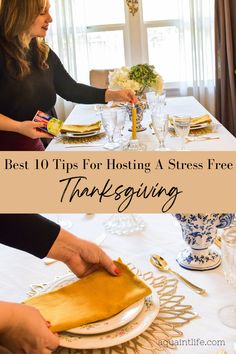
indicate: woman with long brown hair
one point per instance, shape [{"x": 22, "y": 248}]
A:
[{"x": 31, "y": 75}]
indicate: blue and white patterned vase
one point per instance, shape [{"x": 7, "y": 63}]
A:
[
  {"x": 140, "y": 108},
  {"x": 199, "y": 232}
]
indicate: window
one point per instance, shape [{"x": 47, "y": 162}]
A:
[
  {"x": 113, "y": 35},
  {"x": 176, "y": 36},
  {"x": 157, "y": 10},
  {"x": 161, "y": 24},
  {"x": 105, "y": 33}
]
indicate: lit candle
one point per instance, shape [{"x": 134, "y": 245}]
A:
[{"x": 134, "y": 120}]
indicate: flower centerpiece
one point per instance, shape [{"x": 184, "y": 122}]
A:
[{"x": 138, "y": 78}]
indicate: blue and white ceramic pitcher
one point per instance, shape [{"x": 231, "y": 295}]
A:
[{"x": 199, "y": 232}]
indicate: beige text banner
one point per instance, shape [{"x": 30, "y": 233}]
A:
[{"x": 100, "y": 182}]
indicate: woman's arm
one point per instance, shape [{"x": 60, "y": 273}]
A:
[
  {"x": 120, "y": 96},
  {"x": 27, "y": 128},
  {"x": 8, "y": 124},
  {"x": 70, "y": 90},
  {"x": 31, "y": 233},
  {"x": 41, "y": 237}
]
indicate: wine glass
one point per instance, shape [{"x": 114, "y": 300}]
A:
[
  {"x": 182, "y": 127},
  {"x": 161, "y": 101},
  {"x": 160, "y": 127},
  {"x": 121, "y": 118},
  {"x": 151, "y": 99},
  {"x": 63, "y": 222},
  {"x": 227, "y": 314},
  {"x": 60, "y": 219},
  {"x": 109, "y": 122}
]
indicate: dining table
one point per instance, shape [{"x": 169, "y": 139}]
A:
[
  {"x": 160, "y": 234},
  {"x": 218, "y": 138}
]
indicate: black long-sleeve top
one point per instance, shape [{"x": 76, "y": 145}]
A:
[
  {"x": 21, "y": 99},
  {"x": 31, "y": 233}
]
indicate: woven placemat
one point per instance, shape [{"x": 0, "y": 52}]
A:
[
  {"x": 173, "y": 315},
  {"x": 88, "y": 139}
]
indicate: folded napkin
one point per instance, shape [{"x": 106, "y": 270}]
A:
[
  {"x": 76, "y": 128},
  {"x": 200, "y": 120},
  {"x": 98, "y": 296},
  {"x": 197, "y": 120}
]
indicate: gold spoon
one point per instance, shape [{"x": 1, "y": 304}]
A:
[{"x": 163, "y": 266}]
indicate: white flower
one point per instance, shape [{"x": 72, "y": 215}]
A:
[
  {"x": 157, "y": 86},
  {"x": 119, "y": 79}
]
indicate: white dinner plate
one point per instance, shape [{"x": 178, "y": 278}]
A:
[
  {"x": 194, "y": 127},
  {"x": 118, "y": 336},
  {"x": 147, "y": 314},
  {"x": 199, "y": 126},
  {"x": 111, "y": 323},
  {"x": 58, "y": 283},
  {"x": 82, "y": 135}
]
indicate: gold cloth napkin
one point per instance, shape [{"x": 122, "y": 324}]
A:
[
  {"x": 200, "y": 120},
  {"x": 197, "y": 120},
  {"x": 98, "y": 296},
  {"x": 81, "y": 128}
]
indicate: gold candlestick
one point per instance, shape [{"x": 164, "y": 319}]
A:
[{"x": 134, "y": 144}]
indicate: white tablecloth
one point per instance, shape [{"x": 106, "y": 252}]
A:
[
  {"x": 162, "y": 235},
  {"x": 188, "y": 105}
]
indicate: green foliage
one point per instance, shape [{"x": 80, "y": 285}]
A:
[{"x": 144, "y": 74}]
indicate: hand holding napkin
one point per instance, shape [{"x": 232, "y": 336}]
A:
[{"x": 95, "y": 297}]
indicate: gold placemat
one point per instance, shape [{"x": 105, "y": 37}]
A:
[
  {"x": 159, "y": 336},
  {"x": 88, "y": 139}
]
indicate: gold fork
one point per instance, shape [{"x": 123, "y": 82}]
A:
[{"x": 201, "y": 138}]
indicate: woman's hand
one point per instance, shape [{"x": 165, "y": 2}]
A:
[
  {"x": 31, "y": 129},
  {"x": 82, "y": 257},
  {"x": 24, "y": 331},
  {"x": 120, "y": 96}
]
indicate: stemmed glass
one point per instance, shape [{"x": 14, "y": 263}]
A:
[
  {"x": 182, "y": 127},
  {"x": 109, "y": 122},
  {"x": 64, "y": 223},
  {"x": 160, "y": 126},
  {"x": 124, "y": 224},
  {"x": 151, "y": 100},
  {"x": 227, "y": 314},
  {"x": 121, "y": 118},
  {"x": 156, "y": 101},
  {"x": 161, "y": 101}
]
